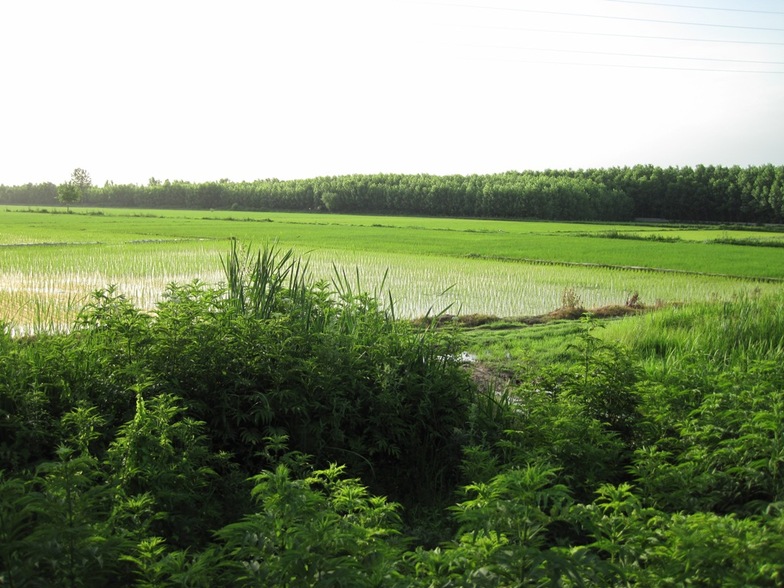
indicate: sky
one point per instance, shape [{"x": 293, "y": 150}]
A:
[{"x": 255, "y": 89}]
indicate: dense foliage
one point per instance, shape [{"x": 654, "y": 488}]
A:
[
  {"x": 702, "y": 193},
  {"x": 275, "y": 433}
]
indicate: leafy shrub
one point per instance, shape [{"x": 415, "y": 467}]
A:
[
  {"x": 62, "y": 533},
  {"x": 197, "y": 446},
  {"x": 163, "y": 457},
  {"x": 324, "y": 529},
  {"x": 649, "y": 547},
  {"x": 332, "y": 370},
  {"x": 727, "y": 454},
  {"x": 509, "y": 535},
  {"x": 559, "y": 432}
]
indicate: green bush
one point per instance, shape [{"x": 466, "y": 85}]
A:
[{"x": 197, "y": 445}]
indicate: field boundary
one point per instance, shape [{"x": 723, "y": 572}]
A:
[{"x": 639, "y": 268}]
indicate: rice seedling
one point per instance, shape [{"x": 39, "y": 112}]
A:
[
  {"x": 505, "y": 240},
  {"x": 504, "y": 268},
  {"x": 417, "y": 284}
]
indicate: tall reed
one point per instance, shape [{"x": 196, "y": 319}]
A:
[{"x": 746, "y": 327}]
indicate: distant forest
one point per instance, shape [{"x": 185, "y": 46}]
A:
[{"x": 703, "y": 193}]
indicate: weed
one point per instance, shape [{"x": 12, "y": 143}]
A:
[{"x": 570, "y": 300}]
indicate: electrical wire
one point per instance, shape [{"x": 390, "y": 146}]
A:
[
  {"x": 666, "y": 5},
  {"x": 684, "y": 58},
  {"x": 608, "y": 17},
  {"x": 624, "y": 66},
  {"x": 627, "y": 36},
  {"x": 616, "y": 54}
]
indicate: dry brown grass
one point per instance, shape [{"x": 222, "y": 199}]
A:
[{"x": 563, "y": 313}]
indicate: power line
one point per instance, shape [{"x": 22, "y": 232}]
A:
[
  {"x": 636, "y": 56},
  {"x": 616, "y": 54},
  {"x": 695, "y": 7},
  {"x": 619, "y": 65},
  {"x": 606, "y": 17},
  {"x": 627, "y": 36}
]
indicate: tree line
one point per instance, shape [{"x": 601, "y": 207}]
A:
[{"x": 702, "y": 193}]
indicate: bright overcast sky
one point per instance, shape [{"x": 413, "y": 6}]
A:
[{"x": 253, "y": 89}]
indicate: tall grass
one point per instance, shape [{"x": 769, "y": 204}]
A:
[
  {"x": 255, "y": 284},
  {"x": 735, "y": 331}
]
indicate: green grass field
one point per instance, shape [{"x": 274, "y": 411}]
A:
[
  {"x": 179, "y": 447},
  {"x": 50, "y": 261}
]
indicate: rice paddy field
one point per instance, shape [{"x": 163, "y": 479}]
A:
[{"x": 50, "y": 261}]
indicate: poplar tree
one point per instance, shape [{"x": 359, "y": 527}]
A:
[{"x": 72, "y": 191}]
